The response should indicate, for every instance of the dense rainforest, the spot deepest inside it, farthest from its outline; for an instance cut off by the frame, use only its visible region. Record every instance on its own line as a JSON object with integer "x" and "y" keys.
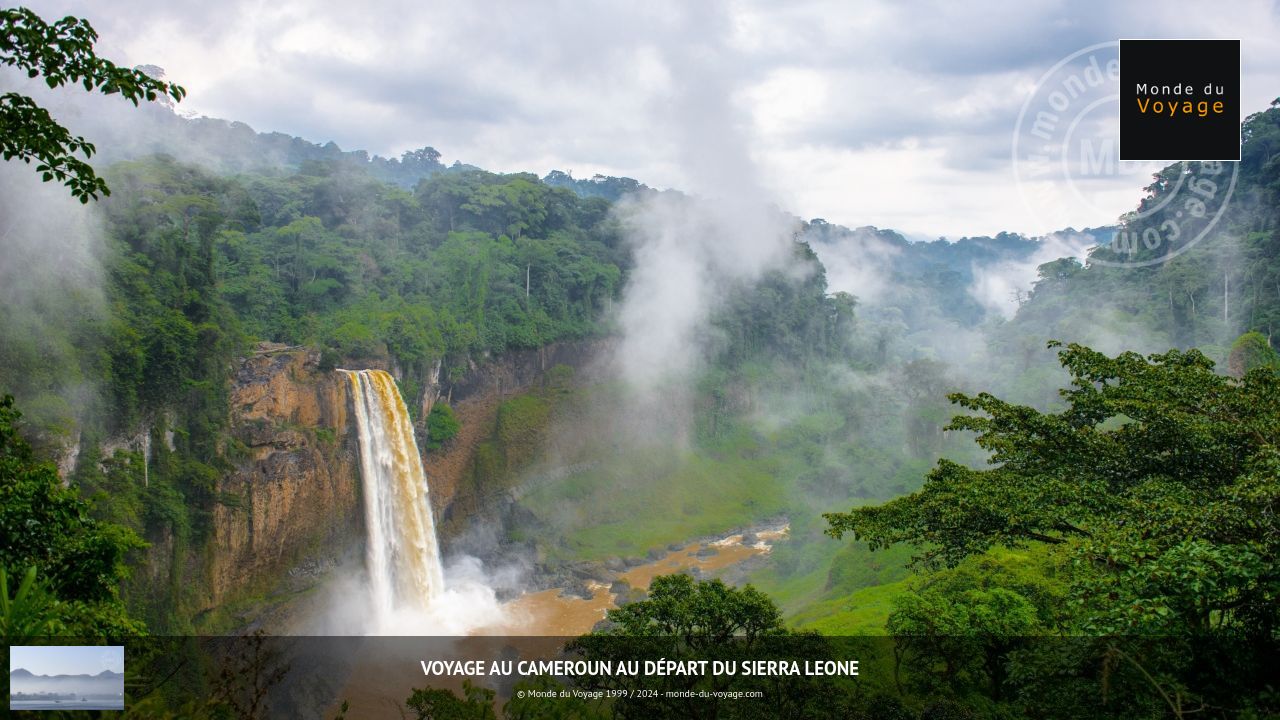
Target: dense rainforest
{"x": 1110, "y": 497}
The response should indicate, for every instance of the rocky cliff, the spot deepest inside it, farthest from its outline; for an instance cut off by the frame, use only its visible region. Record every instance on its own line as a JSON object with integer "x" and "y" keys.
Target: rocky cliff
{"x": 295, "y": 499}
{"x": 475, "y": 398}
{"x": 291, "y": 509}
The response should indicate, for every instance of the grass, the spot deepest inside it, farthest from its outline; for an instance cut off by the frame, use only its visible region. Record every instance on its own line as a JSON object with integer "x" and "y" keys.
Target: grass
{"x": 634, "y": 498}
{"x": 862, "y": 613}
{"x": 837, "y": 586}
{"x": 636, "y": 501}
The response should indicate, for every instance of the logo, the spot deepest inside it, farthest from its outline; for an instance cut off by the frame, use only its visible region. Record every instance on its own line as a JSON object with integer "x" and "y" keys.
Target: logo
{"x": 1180, "y": 100}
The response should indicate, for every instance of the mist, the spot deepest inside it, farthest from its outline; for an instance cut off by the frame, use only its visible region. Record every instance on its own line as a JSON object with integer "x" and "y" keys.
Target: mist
{"x": 688, "y": 250}
{"x": 861, "y": 264}
{"x": 51, "y": 289}
{"x": 473, "y": 601}
{"x": 1001, "y": 286}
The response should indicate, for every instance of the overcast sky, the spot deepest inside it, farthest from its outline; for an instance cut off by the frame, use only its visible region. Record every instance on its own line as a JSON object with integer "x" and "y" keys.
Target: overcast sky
{"x": 67, "y": 659}
{"x": 894, "y": 114}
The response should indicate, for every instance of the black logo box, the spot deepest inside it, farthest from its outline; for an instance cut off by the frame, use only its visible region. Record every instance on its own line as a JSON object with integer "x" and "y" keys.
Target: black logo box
{"x": 1155, "y": 74}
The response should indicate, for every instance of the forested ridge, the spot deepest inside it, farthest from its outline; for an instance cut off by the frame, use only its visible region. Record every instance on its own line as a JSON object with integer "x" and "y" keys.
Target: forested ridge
{"x": 199, "y": 266}
{"x": 1207, "y": 296}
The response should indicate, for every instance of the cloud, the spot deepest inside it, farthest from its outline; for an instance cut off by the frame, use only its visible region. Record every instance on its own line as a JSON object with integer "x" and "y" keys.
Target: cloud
{"x": 895, "y": 104}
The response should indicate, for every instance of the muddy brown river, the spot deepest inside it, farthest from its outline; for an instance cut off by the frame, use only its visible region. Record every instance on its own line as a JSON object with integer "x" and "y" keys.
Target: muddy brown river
{"x": 537, "y": 624}
{"x": 551, "y": 613}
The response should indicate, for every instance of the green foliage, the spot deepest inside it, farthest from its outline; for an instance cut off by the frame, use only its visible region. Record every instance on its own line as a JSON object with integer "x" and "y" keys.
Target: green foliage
{"x": 442, "y": 425}
{"x": 599, "y": 186}
{"x": 468, "y": 263}
{"x": 855, "y": 567}
{"x": 862, "y": 612}
{"x": 1207, "y": 296}
{"x": 476, "y": 703}
{"x": 113, "y": 486}
{"x": 1136, "y": 503}
{"x": 1139, "y": 503}
{"x": 704, "y": 615}
{"x": 1250, "y": 351}
{"x": 61, "y": 53}
{"x": 785, "y": 315}
{"x": 665, "y": 499}
{"x": 172, "y": 335}
{"x": 957, "y": 627}
{"x": 522, "y": 421}
{"x": 1155, "y": 508}
{"x": 31, "y": 612}
{"x": 48, "y": 528}
{"x": 682, "y": 620}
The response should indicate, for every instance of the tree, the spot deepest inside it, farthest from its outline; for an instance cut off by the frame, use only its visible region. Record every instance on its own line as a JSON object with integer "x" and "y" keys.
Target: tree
{"x": 1156, "y": 489}
{"x": 704, "y": 615}
{"x": 955, "y": 629}
{"x": 924, "y": 384}
{"x": 1155, "y": 478}
{"x": 30, "y": 612}
{"x": 476, "y": 703}
{"x": 683, "y": 620}
{"x": 442, "y": 425}
{"x": 62, "y": 53}
{"x": 53, "y": 549}
{"x": 1251, "y": 350}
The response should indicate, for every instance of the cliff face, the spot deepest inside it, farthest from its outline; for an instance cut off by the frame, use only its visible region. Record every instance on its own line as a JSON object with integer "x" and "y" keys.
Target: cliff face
{"x": 296, "y": 497}
{"x": 476, "y": 398}
{"x": 293, "y": 508}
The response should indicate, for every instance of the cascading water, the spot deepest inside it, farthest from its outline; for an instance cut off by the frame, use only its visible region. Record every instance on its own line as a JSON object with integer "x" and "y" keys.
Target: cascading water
{"x": 403, "y": 557}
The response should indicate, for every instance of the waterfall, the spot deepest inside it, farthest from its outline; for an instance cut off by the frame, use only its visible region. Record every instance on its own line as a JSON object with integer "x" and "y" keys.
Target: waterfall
{"x": 403, "y": 557}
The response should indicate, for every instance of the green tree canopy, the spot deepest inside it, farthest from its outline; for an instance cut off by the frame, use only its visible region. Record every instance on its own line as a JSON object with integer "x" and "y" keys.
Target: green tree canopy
{"x": 476, "y": 703}
{"x": 1251, "y": 350}
{"x": 62, "y": 53}
{"x": 688, "y": 620}
{"x": 1153, "y": 480}
{"x": 48, "y": 527}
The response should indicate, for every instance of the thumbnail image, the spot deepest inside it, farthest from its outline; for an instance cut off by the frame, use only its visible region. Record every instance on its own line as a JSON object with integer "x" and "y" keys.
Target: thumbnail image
{"x": 66, "y": 677}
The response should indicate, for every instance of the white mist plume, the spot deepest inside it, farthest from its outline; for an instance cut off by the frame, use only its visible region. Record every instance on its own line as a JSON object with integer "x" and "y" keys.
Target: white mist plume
{"x": 999, "y": 285}
{"x": 48, "y": 240}
{"x": 859, "y": 263}
{"x": 687, "y": 252}
{"x": 687, "y": 249}
{"x": 51, "y": 296}
{"x": 469, "y": 603}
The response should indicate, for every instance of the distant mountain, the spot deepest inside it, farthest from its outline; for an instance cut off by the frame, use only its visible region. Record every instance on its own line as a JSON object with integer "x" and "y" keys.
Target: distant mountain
{"x": 25, "y": 673}
{"x": 121, "y": 131}
{"x": 960, "y": 281}
{"x": 105, "y": 683}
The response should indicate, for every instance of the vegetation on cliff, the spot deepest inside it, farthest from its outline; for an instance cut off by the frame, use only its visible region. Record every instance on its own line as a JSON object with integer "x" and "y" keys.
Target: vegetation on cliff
{"x": 60, "y": 569}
